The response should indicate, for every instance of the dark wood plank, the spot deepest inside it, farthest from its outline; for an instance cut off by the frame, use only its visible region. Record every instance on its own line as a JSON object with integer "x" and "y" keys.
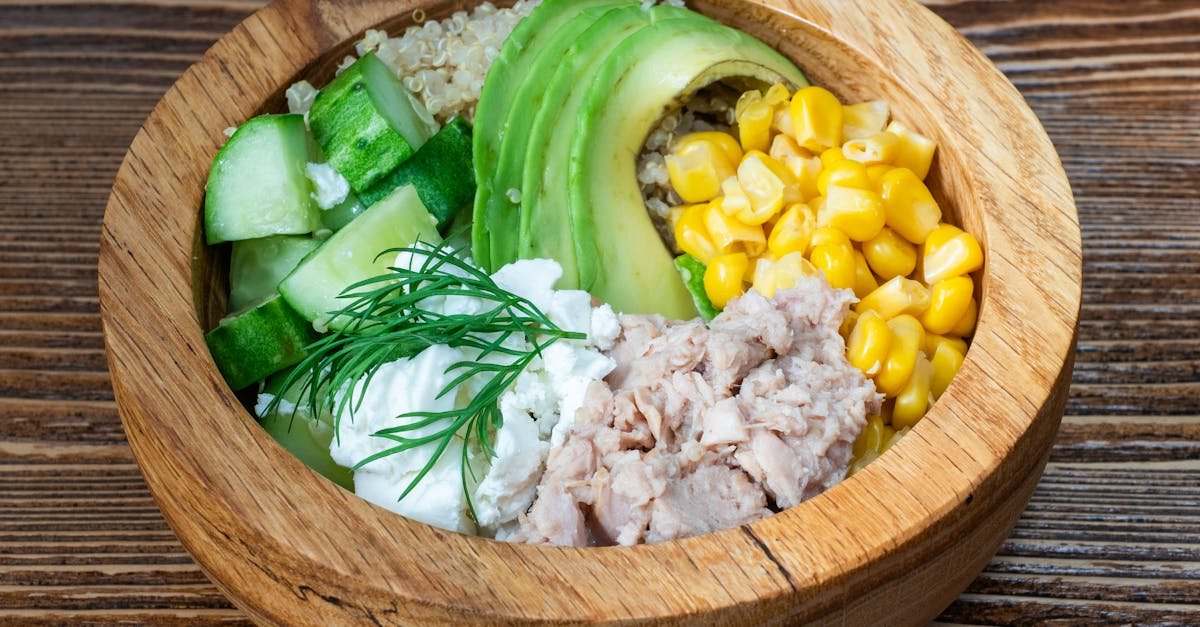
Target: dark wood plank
{"x": 1112, "y": 534}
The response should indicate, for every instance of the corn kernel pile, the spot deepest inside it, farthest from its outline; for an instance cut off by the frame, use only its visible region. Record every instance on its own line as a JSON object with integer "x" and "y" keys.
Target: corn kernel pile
{"x": 810, "y": 185}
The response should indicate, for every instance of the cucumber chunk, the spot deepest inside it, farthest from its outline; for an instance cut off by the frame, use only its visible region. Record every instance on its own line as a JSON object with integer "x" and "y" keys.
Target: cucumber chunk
{"x": 442, "y": 172}
{"x": 257, "y": 342}
{"x": 304, "y": 436}
{"x": 258, "y": 265}
{"x": 337, "y": 218}
{"x": 367, "y": 122}
{"x": 353, "y": 255}
{"x": 692, "y": 272}
{"x": 257, "y": 186}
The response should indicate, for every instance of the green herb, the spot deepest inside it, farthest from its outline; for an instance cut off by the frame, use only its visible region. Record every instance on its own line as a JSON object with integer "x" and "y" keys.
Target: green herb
{"x": 389, "y": 321}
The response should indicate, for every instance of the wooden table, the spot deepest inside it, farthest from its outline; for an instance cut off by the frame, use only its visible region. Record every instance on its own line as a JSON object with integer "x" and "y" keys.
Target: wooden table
{"x": 1112, "y": 534}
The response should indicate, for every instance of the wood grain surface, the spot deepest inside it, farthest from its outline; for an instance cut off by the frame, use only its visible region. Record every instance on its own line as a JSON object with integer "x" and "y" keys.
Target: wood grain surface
{"x": 1112, "y": 533}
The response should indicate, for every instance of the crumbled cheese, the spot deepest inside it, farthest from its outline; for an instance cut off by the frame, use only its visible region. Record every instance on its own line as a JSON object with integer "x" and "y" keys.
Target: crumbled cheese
{"x": 330, "y": 189}
{"x": 550, "y": 388}
{"x": 300, "y": 97}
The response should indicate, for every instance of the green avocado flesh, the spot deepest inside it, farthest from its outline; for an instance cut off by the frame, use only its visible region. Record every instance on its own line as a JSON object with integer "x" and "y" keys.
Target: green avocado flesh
{"x": 545, "y": 228}
{"x": 621, "y": 258}
{"x": 508, "y": 73}
{"x": 540, "y": 61}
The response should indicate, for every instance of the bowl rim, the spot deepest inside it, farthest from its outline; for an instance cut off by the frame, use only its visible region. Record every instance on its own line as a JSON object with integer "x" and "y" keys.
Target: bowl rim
{"x": 255, "y": 539}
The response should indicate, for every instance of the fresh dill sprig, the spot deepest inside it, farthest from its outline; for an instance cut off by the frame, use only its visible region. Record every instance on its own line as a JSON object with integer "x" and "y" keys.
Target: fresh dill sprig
{"x": 387, "y": 319}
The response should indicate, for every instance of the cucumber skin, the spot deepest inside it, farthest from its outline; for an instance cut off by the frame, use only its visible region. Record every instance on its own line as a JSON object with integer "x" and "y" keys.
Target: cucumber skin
{"x": 251, "y": 345}
{"x": 356, "y": 138}
{"x": 441, "y": 170}
{"x": 226, "y": 205}
{"x": 692, "y": 272}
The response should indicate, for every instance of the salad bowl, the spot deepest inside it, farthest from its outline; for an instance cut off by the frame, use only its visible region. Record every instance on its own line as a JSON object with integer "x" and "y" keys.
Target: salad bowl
{"x": 893, "y": 544}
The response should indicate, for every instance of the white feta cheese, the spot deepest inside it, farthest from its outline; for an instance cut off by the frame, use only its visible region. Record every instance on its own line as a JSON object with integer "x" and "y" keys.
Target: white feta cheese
{"x": 551, "y": 387}
{"x": 330, "y": 189}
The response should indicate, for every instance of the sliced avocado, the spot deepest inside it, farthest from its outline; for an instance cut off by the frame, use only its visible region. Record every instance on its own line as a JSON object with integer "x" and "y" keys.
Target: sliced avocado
{"x": 503, "y": 209}
{"x": 508, "y": 73}
{"x": 620, "y": 257}
{"x": 545, "y": 227}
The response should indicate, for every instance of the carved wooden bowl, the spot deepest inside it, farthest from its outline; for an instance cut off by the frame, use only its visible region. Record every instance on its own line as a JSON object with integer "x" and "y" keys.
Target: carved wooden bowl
{"x": 894, "y": 544}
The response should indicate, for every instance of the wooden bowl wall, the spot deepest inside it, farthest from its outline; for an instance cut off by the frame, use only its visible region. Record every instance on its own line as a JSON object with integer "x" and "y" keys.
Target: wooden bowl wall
{"x": 894, "y": 544}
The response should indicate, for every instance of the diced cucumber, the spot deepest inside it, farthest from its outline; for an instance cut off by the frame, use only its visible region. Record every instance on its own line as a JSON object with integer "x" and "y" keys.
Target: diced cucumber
{"x": 258, "y": 265}
{"x": 337, "y": 218}
{"x": 304, "y": 436}
{"x": 257, "y": 186}
{"x": 441, "y": 171}
{"x": 257, "y": 342}
{"x": 367, "y": 122}
{"x": 692, "y": 272}
{"x": 353, "y": 255}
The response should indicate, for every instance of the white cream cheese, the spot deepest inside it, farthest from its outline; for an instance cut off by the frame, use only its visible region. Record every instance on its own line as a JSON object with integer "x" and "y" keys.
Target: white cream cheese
{"x": 550, "y": 388}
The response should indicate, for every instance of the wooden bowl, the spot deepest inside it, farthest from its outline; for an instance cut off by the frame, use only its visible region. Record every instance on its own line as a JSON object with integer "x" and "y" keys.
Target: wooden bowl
{"x": 894, "y": 544}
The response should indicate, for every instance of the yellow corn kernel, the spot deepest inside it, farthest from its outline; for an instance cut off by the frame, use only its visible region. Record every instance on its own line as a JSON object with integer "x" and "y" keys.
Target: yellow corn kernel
{"x": 956, "y": 256}
{"x": 691, "y": 236}
{"x": 890, "y": 255}
{"x": 784, "y": 148}
{"x": 733, "y": 199}
{"x": 875, "y": 174}
{"x": 730, "y": 235}
{"x": 915, "y": 151}
{"x": 767, "y": 185}
{"x": 856, "y": 212}
{"x": 942, "y": 234}
{"x": 698, "y": 165}
{"x": 845, "y": 173}
{"x": 913, "y": 401}
{"x": 673, "y": 217}
{"x": 869, "y": 344}
{"x": 865, "y": 119}
{"x": 817, "y": 118}
{"x": 894, "y": 436}
{"x": 911, "y": 209}
{"x": 847, "y": 325}
{"x": 897, "y": 297}
{"x": 948, "y": 303}
{"x": 946, "y": 362}
{"x": 783, "y": 122}
{"x": 745, "y": 100}
{"x": 754, "y": 126}
{"x": 783, "y": 273}
{"x": 832, "y": 156}
{"x": 907, "y": 338}
{"x": 874, "y": 434}
{"x": 864, "y": 280}
{"x": 724, "y": 278}
{"x": 806, "y": 170}
{"x": 879, "y": 149}
{"x": 933, "y": 341}
{"x": 966, "y": 324}
{"x": 827, "y": 235}
{"x": 793, "y": 232}
{"x": 837, "y": 262}
{"x": 778, "y": 94}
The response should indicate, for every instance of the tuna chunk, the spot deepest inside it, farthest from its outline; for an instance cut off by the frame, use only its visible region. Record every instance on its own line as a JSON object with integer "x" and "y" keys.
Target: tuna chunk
{"x": 703, "y": 428}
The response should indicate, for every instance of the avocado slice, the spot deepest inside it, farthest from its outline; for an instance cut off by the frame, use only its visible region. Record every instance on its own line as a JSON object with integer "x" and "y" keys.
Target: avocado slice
{"x": 545, "y": 228}
{"x": 508, "y": 73}
{"x": 528, "y": 99}
{"x": 620, "y": 257}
